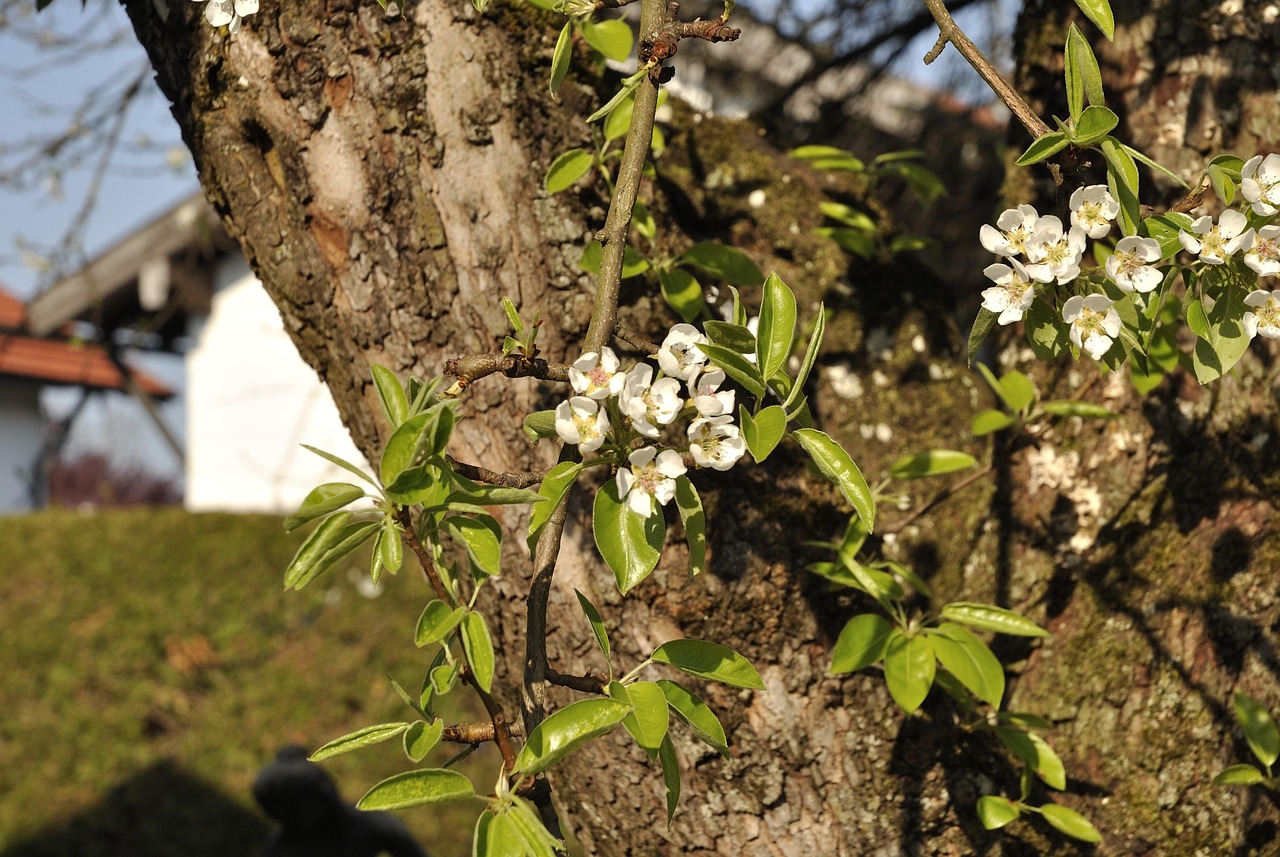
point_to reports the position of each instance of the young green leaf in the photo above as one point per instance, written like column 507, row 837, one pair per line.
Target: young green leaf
column 438, row 619
column 539, row 425
column 710, row 661
column 1036, row 754
column 536, row 839
column 513, row 317
column 689, row 504
column 630, row 543
column 360, row 738
column 1122, row 181
column 829, row 158
column 597, row 623
column 1222, row 336
column 322, row 500
column 418, row 438
column 649, row 717
column 736, row 367
column 763, row 431
column 696, row 715
column 982, row 324
column 1239, row 775
column 909, row 665
column 1072, row 408
column 671, row 766
column 682, row 292
column 340, row 462
column 1099, row 12
column 421, row 738
column 731, row 265
column 611, row 38
column 970, row 661
column 567, row 169
column 483, row 539
column 810, row 355
column 777, row 326
column 1083, row 77
column 560, row 58
column 1259, row 728
column 479, row 647
column 995, row 812
column 335, row 538
column 390, row 546
column 628, row 88
column 987, row 421
column 416, row 788
column 835, row 464
column 391, row 393
column 1066, row 820
column 1016, row 390
column 1043, row 147
column 992, row 618
column 567, row 729
column 1095, row 123
column 733, row 336
column 934, row 462
column 864, row 641
column 552, row 489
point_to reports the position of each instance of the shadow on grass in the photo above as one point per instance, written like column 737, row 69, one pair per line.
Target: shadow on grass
column 160, row 812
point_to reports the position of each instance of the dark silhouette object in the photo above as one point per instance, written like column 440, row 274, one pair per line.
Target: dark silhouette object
column 314, row 822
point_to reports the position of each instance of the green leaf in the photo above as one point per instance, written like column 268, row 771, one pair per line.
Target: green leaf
column 322, row 500
column 1095, row 123
column 988, row 421
column 335, row 538
column 1084, row 78
column 696, row 714
column 1164, row 228
column 1016, row 390
column 970, row 661
column 671, row 765
column 483, row 539
column 1036, row 753
column 416, row 788
column 567, row 729
column 360, row 738
column 777, row 326
column 764, row 431
column 560, row 59
column 539, row 425
column 418, row 438
column 710, row 661
column 934, row 462
column 992, row 618
column 694, row 519
column 1042, row 148
column 513, row 317
column 909, row 665
column 390, row 391
column 850, row 217
column 480, row 494
column 390, row 547
column 733, row 336
column 629, row 542
column 736, row 367
column 438, row 619
column 1222, row 338
column 421, row 738
column 829, row 158
column 567, row 169
column 1072, row 408
column 597, row 623
column 1046, row 331
column 1259, row 728
column 995, row 812
column 611, row 37
column 554, row 484
column 1239, row 775
column 914, row 580
column 856, row 242
column 1099, row 12
column 479, row 648
column 628, row 89
column 619, row 121
column 982, row 324
column 838, row 467
column 1066, row 820
column 537, row 840
column 682, row 292
column 732, row 266
column 1122, row 180
column 864, row 641
column 649, row 718
column 340, row 462
column 810, row 355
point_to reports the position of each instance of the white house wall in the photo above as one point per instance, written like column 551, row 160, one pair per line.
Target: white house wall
column 251, row 402
column 21, row 434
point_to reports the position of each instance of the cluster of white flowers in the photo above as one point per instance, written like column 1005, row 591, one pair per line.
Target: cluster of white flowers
column 228, row 13
column 611, row 404
column 1035, row 249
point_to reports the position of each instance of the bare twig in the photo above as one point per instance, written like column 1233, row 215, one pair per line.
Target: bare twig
column 469, row 733
column 468, row 370
column 477, row 473
column 635, row 339
column 937, row 499
column 589, row 683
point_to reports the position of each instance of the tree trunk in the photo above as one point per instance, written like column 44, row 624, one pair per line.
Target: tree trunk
column 384, row 179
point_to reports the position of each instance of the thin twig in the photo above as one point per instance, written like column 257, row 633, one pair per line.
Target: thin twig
column 635, row 339
column 469, row 733
column 476, row 473
column 944, row 494
column 468, row 370
column 589, row 683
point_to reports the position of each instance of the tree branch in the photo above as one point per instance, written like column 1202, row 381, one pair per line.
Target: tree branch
column 468, row 370
column 476, row 473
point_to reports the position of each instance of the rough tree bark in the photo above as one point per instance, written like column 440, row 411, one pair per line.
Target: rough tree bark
column 383, row 177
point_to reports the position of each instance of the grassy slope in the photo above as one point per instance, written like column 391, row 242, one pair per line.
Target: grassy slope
column 131, row 638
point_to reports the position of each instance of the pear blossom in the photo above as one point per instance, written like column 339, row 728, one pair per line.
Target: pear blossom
column 1260, row 183
column 1264, row 255
column 229, row 13
column 1054, row 254
column 581, row 421
column 1094, row 323
column 1013, row 228
column 1265, row 318
column 1012, row 294
column 708, row 398
column 679, row 355
column 651, row 476
column 648, row 403
column 1093, row 208
column 1128, row 265
column 1215, row 244
column 596, row 376
column 715, row 442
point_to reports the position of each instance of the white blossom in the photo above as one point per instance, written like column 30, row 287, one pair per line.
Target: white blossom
column 1053, row 253
column 1260, row 183
column 651, row 475
column 1012, row 294
column 1215, row 244
column 1092, row 209
column 1094, row 323
column 679, row 355
column 228, row 13
column 708, row 398
column 1013, row 228
column 1128, row 267
column 582, row 421
column 648, row 403
column 715, row 442
column 596, row 376
column 1264, row 255
column 1265, row 317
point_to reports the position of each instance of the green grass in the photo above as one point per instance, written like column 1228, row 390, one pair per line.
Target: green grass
column 152, row 663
